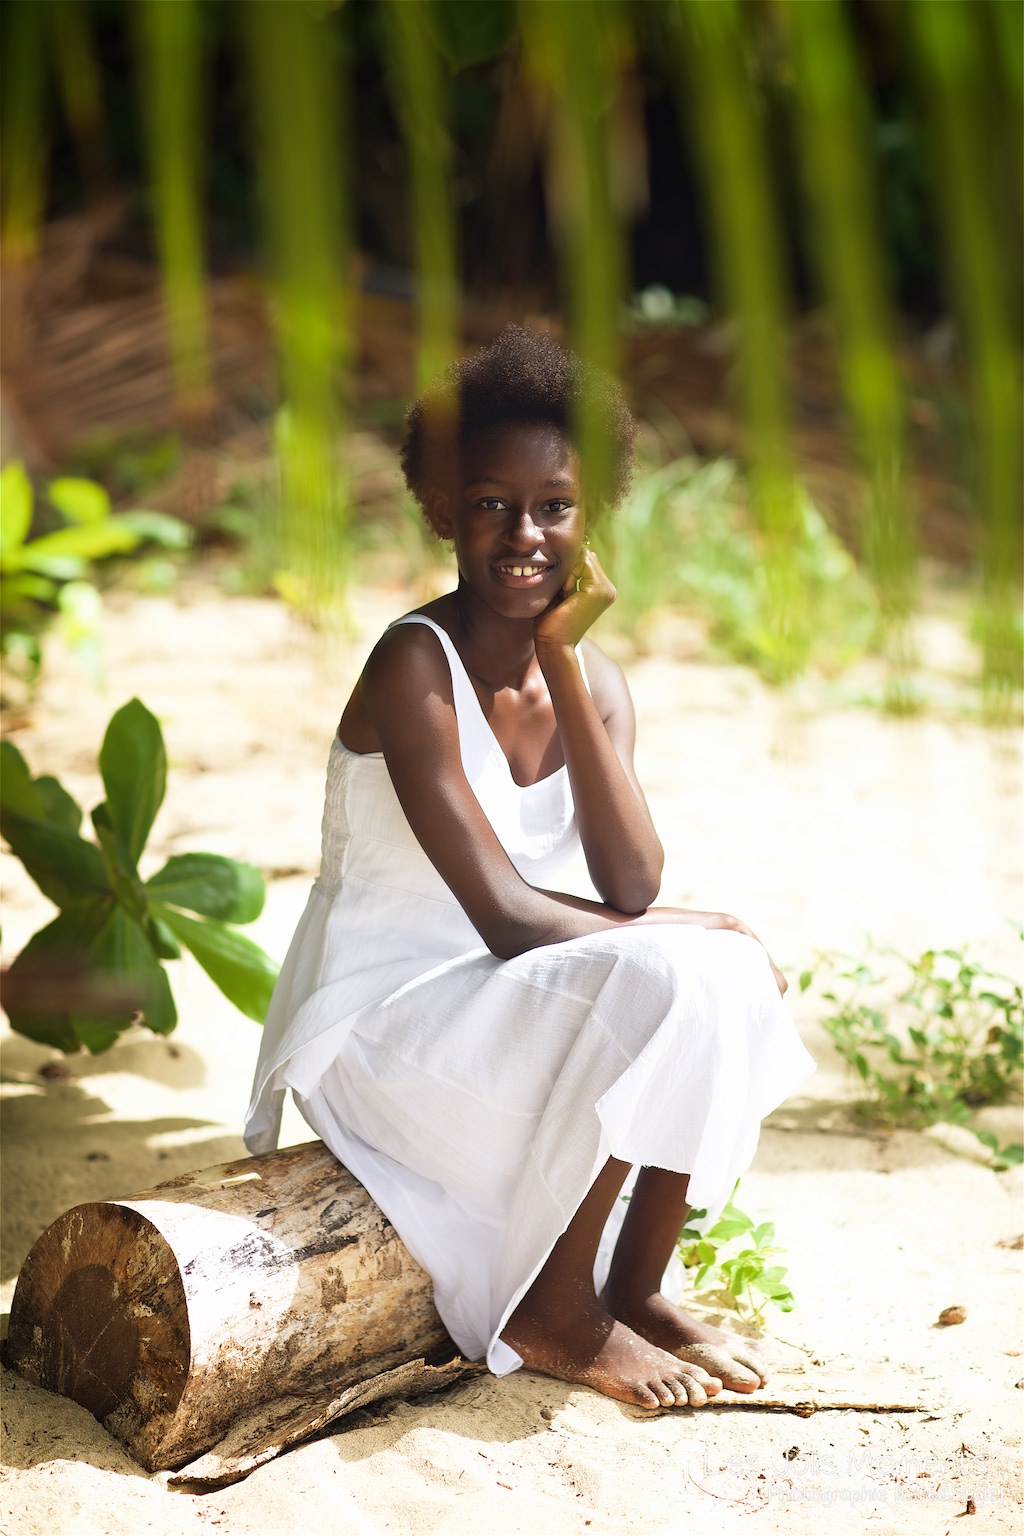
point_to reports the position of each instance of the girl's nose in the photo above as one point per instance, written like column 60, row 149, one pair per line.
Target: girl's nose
column 522, row 530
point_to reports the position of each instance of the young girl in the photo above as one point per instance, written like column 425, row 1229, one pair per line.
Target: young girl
column 488, row 1054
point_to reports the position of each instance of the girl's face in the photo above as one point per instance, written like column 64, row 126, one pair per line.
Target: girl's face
column 513, row 514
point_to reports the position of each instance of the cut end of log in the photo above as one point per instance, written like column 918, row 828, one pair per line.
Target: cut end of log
column 99, row 1315
column 171, row 1314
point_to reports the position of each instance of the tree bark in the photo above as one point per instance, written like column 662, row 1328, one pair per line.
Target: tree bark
column 170, row 1314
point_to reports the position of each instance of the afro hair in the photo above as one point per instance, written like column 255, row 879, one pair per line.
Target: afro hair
column 522, row 377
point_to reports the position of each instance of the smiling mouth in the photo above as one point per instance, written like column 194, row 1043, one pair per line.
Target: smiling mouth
column 520, row 571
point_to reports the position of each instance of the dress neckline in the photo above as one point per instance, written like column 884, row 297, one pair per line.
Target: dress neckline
column 450, row 650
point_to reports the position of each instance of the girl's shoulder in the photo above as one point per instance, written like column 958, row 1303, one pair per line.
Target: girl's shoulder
column 408, row 657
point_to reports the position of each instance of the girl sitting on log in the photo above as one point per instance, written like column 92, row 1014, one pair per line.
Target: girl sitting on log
column 489, row 1054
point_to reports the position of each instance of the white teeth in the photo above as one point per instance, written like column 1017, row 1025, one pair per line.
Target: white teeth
column 523, row 570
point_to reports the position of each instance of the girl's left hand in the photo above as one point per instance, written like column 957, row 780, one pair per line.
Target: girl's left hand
column 585, row 596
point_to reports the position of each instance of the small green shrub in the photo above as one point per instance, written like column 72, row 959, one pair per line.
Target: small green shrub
column 114, row 928
column 684, row 538
column 934, row 1043
column 734, row 1255
column 48, row 577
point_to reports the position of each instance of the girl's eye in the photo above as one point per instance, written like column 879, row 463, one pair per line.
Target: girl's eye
column 491, row 504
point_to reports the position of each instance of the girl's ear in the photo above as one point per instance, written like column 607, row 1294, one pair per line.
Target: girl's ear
column 438, row 516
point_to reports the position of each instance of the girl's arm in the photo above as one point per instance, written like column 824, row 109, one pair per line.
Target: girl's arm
column 406, row 694
column 598, row 732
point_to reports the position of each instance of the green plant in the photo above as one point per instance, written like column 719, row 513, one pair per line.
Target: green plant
column 735, row 1253
column 114, row 929
column 48, row 575
column 685, row 537
column 935, row 1044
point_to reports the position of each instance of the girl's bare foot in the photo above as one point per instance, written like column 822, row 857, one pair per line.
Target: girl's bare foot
column 730, row 1358
column 590, row 1347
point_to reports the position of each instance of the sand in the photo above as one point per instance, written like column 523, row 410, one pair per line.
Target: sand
column 818, row 822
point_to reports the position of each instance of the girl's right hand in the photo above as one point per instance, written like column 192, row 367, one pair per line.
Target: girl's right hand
column 717, row 920
column 739, row 927
column 586, row 595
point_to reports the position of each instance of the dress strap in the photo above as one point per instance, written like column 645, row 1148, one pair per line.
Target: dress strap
column 455, row 661
column 467, row 705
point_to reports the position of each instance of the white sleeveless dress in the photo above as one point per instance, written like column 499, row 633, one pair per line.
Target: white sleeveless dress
column 476, row 1099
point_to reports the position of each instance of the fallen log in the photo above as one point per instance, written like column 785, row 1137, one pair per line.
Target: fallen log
column 171, row 1314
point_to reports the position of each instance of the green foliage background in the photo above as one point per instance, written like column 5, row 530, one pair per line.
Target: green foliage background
column 866, row 157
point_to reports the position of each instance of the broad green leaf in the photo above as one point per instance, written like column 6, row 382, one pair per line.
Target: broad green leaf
column 58, row 806
column 160, row 527
column 214, row 886
column 98, row 1032
column 54, row 952
column 43, row 799
column 18, row 792
column 121, row 954
column 238, row 966
column 65, row 867
column 133, row 763
column 25, row 585
column 81, row 501
column 725, row 1230
column 15, row 511
column 82, row 542
column 162, row 939
column 122, row 875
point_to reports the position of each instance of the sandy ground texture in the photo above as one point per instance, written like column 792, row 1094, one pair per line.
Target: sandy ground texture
column 818, row 823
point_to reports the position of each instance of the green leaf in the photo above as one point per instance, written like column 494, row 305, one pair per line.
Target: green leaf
column 121, row 952
column 81, row 501
column 56, row 951
column 727, row 1228
column 65, row 867
column 133, row 762
column 207, row 883
column 16, row 588
column 16, row 508
column 120, row 866
column 242, row 971
column 18, row 792
column 159, row 527
column 77, row 544
column 806, row 977
column 162, row 939
column 58, row 806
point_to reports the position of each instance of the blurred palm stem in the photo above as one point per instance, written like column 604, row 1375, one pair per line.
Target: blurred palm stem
column 834, row 138
column 421, row 104
column 170, row 78
column 970, row 90
column 298, row 88
column 737, row 183
column 575, row 55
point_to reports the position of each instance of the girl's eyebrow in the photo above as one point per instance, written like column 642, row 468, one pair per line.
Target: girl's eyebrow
column 562, row 482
